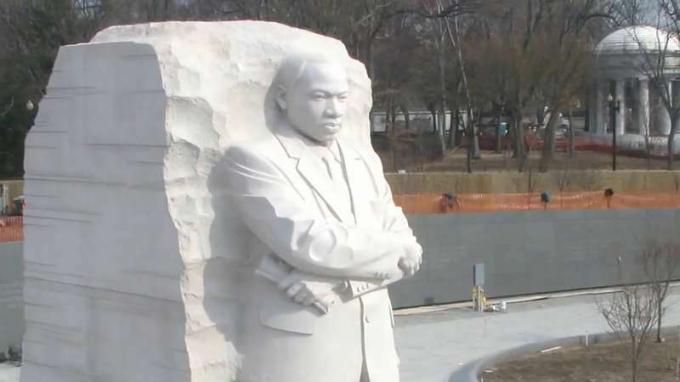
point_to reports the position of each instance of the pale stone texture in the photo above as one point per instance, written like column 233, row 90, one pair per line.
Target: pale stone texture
column 11, row 312
column 130, row 252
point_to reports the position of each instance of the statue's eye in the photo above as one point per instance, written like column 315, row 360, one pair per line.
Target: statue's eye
column 318, row 96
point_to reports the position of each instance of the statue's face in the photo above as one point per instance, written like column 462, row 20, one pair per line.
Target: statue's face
column 315, row 105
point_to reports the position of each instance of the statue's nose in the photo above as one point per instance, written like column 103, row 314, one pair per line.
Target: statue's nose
column 334, row 108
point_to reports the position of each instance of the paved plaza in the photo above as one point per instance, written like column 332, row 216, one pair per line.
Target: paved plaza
column 434, row 343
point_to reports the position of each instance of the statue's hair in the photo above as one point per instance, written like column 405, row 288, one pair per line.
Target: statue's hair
column 293, row 66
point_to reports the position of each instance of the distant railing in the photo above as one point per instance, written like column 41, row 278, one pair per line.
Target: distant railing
column 470, row 203
column 602, row 144
column 11, row 228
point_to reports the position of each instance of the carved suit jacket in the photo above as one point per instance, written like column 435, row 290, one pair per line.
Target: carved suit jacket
column 286, row 199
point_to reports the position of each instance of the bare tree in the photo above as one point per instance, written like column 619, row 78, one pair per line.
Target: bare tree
column 564, row 38
column 631, row 315
column 471, row 132
column 439, row 34
column 660, row 263
column 444, row 27
column 533, row 54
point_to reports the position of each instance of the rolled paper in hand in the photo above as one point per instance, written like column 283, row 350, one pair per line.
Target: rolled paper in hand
column 275, row 271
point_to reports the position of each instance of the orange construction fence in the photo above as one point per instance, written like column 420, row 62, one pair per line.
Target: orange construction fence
column 11, row 228
column 462, row 203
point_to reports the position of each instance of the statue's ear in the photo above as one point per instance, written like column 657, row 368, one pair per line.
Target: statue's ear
column 281, row 97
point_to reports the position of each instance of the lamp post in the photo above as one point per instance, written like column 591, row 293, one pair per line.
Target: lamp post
column 614, row 107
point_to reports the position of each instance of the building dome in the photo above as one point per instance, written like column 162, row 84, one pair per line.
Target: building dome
column 637, row 38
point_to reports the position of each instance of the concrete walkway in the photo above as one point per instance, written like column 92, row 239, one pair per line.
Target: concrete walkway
column 433, row 343
column 9, row 373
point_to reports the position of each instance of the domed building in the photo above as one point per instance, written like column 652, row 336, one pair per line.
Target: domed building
column 625, row 62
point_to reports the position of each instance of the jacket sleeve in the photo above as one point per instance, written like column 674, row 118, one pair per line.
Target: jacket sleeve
column 274, row 211
column 393, row 221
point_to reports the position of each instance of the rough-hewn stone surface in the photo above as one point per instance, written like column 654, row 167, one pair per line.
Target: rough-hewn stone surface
column 130, row 254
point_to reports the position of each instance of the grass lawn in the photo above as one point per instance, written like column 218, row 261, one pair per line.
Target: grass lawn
column 597, row 363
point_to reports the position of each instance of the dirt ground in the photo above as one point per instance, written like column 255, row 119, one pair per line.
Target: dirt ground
column 583, row 160
column 598, row 363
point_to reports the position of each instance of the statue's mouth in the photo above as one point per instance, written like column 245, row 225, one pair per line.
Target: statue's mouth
column 331, row 125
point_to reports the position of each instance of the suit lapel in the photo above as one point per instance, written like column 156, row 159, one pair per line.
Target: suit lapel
column 353, row 171
column 311, row 168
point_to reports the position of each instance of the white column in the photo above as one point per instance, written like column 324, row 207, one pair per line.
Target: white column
column 621, row 113
column 599, row 125
column 665, row 121
column 664, row 117
column 643, row 106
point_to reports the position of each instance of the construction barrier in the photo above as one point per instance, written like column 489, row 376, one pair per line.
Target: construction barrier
column 11, row 228
column 466, row 203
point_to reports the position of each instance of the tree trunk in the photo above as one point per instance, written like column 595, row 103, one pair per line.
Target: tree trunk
column 499, row 139
column 473, row 142
column 517, row 134
column 476, row 154
column 453, row 127
column 519, row 152
column 392, row 133
column 671, row 139
column 393, row 119
column 549, row 141
column 434, row 120
column 572, row 135
column 407, row 117
column 468, row 157
column 442, row 94
column 469, row 143
column 460, row 127
column 369, row 60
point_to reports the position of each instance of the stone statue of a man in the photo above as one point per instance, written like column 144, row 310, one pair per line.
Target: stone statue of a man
column 326, row 239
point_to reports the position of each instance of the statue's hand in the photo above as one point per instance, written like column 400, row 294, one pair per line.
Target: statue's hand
column 309, row 290
column 412, row 258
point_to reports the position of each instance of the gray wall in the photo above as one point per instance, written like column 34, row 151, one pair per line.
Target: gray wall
column 11, row 305
column 524, row 252
column 530, row 252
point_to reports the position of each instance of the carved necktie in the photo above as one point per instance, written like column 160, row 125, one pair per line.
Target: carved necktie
column 337, row 177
